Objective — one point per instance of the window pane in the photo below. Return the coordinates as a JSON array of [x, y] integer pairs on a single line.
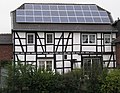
[[107, 39], [92, 39], [85, 38], [30, 38], [87, 66], [49, 38], [49, 65], [42, 65]]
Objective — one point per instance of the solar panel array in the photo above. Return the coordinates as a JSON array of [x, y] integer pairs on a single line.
[[44, 13]]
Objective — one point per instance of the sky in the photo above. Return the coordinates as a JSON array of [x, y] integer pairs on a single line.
[[6, 6]]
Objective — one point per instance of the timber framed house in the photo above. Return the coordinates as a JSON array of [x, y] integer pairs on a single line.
[[62, 37]]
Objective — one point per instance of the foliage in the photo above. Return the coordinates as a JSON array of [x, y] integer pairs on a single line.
[[111, 83], [28, 79]]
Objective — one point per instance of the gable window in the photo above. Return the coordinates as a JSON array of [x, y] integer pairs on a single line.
[[30, 38], [88, 38], [49, 38], [107, 38], [46, 65]]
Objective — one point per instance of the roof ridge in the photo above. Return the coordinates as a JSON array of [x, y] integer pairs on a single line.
[[61, 3]]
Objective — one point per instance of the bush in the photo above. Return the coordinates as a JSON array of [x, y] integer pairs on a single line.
[[27, 79], [111, 83]]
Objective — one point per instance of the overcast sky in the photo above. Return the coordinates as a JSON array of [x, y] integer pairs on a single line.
[[6, 6]]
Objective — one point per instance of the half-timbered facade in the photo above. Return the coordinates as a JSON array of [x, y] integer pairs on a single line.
[[61, 37]]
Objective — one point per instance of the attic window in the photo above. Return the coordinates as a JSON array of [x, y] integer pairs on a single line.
[[49, 38], [30, 38]]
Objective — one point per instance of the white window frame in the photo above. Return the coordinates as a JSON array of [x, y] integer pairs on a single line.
[[52, 38], [91, 64], [106, 37], [45, 60], [33, 38], [88, 35]]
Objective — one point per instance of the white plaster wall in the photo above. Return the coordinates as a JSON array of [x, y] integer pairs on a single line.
[[69, 48], [69, 42], [41, 35], [57, 40], [19, 49], [99, 49], [76, 56], [58, 57], [67, 63], [41, 56], [98, 35], [50, 56], [31, 48], [76, 38], [59, 48], [107, 48], [106, 57], [21, 58], [42, 41], [49, 48], [59, 64], [76, 47], [30, 57], [89, 48], [39, 49], [21, 35], [58, 35]]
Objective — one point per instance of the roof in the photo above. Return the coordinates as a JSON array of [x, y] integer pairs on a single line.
[[5, 38], [60, 26], [62, 13]]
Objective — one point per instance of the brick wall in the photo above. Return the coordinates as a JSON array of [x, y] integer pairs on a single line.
[[118, 54], [6, 52]]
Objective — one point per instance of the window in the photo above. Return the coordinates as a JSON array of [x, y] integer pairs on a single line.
[[49, 39], [30, 38], [107, 39], [88, 38], [91, 65], [46, 65]]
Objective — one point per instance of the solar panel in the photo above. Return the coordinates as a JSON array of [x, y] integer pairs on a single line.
[[43, 13]]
